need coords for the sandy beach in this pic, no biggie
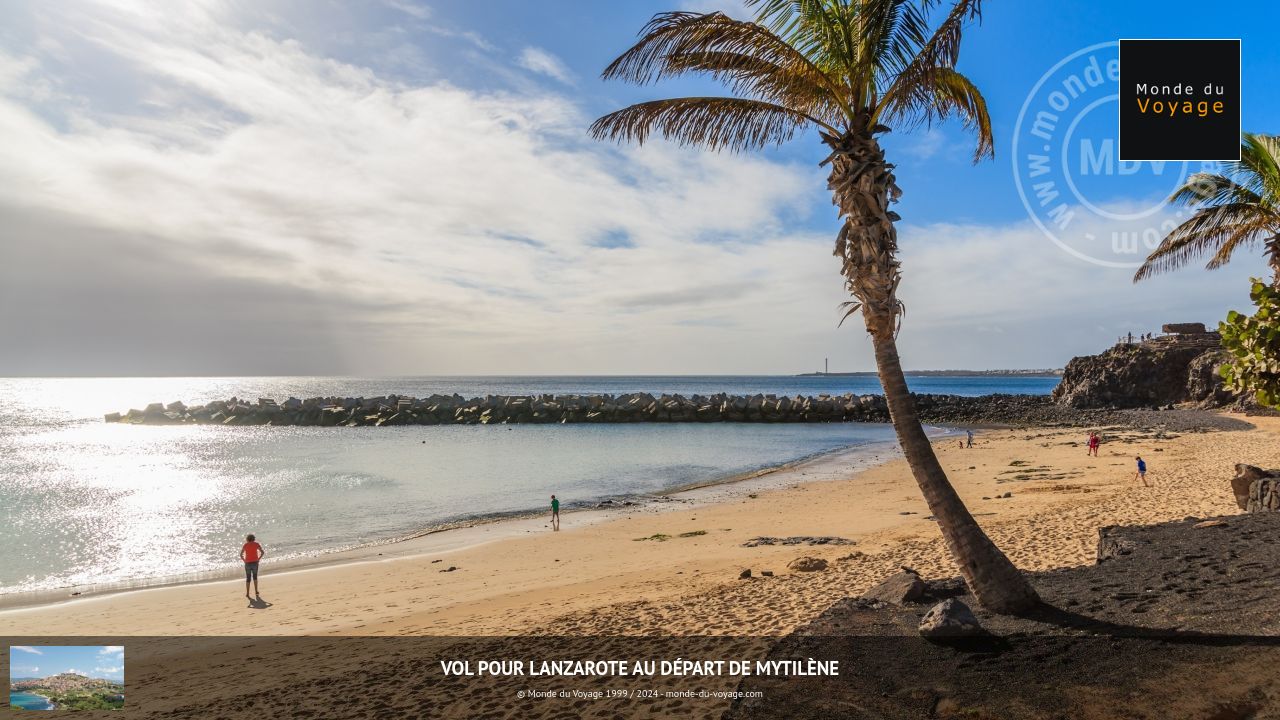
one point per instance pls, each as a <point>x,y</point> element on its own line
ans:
<point>673,568</point>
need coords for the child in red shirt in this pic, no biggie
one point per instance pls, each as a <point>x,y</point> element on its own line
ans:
<point>251,552</point>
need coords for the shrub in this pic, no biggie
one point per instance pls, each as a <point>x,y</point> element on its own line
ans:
<point>1253,341</point>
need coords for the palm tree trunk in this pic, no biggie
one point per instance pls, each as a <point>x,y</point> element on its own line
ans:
<point>997,584</point>
<point>1273,259</point>
<point>863,186</point>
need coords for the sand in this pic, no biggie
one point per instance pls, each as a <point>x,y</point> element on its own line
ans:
<point>596,576</point>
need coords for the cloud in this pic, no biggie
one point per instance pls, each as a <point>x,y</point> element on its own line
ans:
<point>187,193</point>
<point>544,63</point>
<point>111,651</point>
<point>420,12</point>
<point>26,649</point>
<point>28,669</point>
<point>110,670</point>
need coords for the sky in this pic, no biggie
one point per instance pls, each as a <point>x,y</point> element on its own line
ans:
<point>403,187</point>
<point>41,661</point>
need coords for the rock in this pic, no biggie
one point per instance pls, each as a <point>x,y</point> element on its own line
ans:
<point>798,540</point>
<point>899,589</point>
<point>1205,386</point>
<point>1256,490</point>
<point>1112,545</point>
<point>766,573</point>
<point>1135,375</point>
<point>112,417</point>
<point>451,568</point>
<point>745,574</point>
<point>950,619</point>
<point>1210,523</point>
<point>807,564</point>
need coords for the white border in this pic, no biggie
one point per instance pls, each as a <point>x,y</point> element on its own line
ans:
<point>1239,108</point>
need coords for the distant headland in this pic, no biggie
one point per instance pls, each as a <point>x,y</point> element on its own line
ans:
<point>946,373</point>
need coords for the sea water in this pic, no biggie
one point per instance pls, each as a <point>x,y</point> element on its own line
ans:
<point>85,502</point>
<point>27,701</point>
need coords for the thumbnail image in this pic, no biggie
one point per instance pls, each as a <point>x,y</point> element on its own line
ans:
<point>66,677</point>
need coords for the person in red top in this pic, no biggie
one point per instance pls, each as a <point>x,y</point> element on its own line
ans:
<point>251,552</point>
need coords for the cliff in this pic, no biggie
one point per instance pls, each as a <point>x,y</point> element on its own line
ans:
<point>1168,370</point>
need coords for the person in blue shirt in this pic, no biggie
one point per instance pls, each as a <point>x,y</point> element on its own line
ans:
<point>1142,471</point>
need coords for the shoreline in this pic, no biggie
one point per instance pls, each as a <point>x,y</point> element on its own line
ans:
<point>469,533</point>
<point>676,568</point>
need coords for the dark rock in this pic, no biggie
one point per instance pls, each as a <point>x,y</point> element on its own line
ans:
<point>899,589</point>
<point>798,540</point>
<point>1128,376</point>
<point>1245,476</point>
<point>744,574</point>
<point>766,573</point>
<point>950,618</point>
<point>1260,488</point>
<point>1113,544</point>
<point>1205,386</point>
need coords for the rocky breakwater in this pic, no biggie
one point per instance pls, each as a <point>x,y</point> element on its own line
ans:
<point>392,410</point>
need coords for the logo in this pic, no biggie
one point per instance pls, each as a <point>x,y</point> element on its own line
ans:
<point>1068,169</point>
<point>1180,99</point>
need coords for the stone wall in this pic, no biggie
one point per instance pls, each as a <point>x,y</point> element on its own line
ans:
<point>627,408</point>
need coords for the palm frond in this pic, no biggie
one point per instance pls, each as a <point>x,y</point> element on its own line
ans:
<point>1243,236</point>
<point>823,30</point>
<point>760,79</point>
<point>1207,231</point>
<point>733,124</point>
<point>746,55</point>
<point>941,50</point>
<point>1212,189</point>
<point>1259,165</point>
<point>939,93</point>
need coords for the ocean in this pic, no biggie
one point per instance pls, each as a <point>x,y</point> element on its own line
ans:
<point>83,502</point>
<point>27,701</point>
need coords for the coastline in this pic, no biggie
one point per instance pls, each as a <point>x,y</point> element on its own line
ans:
<point>675,570</point>
<point>472,532</point>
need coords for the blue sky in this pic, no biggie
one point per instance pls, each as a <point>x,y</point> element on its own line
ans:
<point>406,187</point>
<point>39,661</point>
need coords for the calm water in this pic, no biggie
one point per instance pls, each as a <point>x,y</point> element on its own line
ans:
<point>27,701</point>
<point>82,501</point>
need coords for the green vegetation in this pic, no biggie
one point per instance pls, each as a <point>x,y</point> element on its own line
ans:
<point>1253,341</point>
<point>105,699</point>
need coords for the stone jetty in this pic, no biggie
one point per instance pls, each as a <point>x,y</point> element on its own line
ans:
<point>394,410</point>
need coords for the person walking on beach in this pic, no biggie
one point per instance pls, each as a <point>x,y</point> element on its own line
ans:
<point>555,513</point>
<point>1094,442</point>
<point>251,553</point>
<point>969,433</point>
<point>1142,471</point>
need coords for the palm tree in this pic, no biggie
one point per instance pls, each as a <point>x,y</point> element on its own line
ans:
<point>849,69</point>
<point>1239,207</point>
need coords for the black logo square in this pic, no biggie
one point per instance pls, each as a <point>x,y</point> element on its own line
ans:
<point>1179,99</point>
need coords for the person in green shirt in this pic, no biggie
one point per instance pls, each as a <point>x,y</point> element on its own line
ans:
<point>555,513</point>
